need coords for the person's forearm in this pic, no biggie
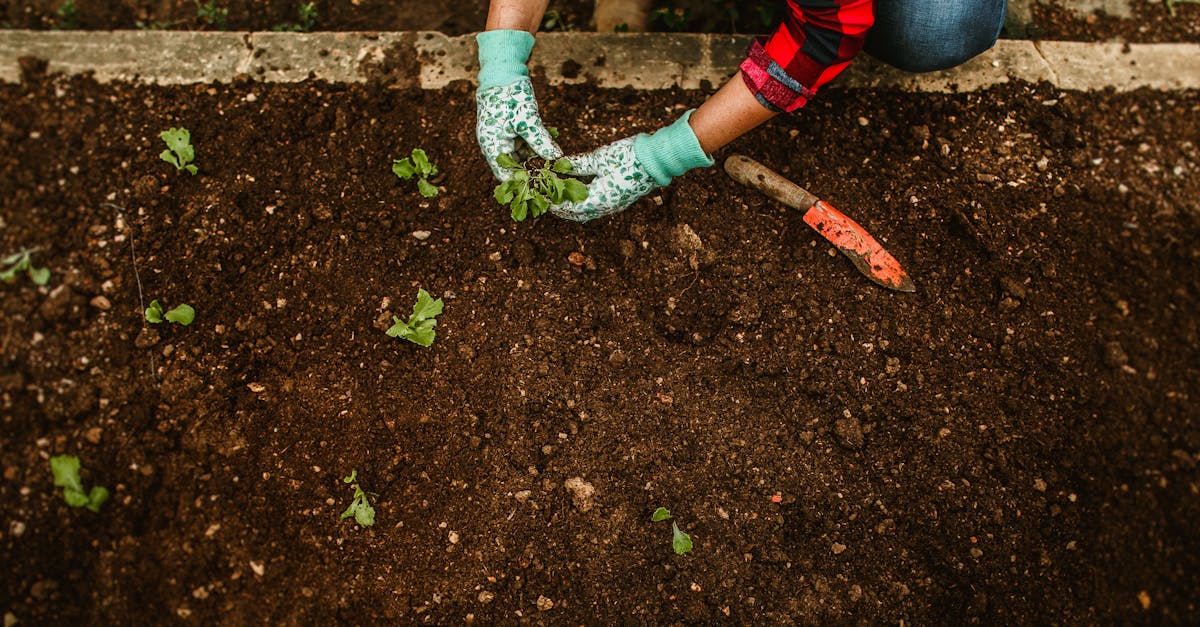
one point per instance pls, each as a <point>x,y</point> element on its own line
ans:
<point>728,114</point>
<point>523,15</point>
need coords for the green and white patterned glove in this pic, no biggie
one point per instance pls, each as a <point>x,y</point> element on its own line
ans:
<point>630,168</point>
<point>505,106</point>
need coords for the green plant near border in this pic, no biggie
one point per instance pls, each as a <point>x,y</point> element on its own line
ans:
<point>213,15</point>
<point>533,187</point>
<point>179,152</point>
<point>680,541</point>
<point>1171,4</point>
<point>418,329</point>
<point>360,508</point>
<point>674,19</point>
<point>19,262</point>
<point>65,469</point>
<point>68,15</point>
<point>307,14</point>
<point>419,166</point>
<point>180,314</point>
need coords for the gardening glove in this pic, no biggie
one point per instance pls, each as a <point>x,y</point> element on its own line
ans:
<point>632,167</point>
<point>505,106</point>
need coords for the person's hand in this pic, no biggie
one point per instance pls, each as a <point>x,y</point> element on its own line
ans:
<point>505,105</point>
<point>630,168</point>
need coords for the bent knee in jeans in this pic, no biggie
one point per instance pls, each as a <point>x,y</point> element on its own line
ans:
<point>929,35</point>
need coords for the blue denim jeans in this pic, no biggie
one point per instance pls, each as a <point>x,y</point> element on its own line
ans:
<point>928,35</point>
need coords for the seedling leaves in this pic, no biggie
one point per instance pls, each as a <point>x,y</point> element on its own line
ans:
<point>418,329</point>
<point>22,262</point>
<point>154,313</point>
<point>65,469</point>
<point>179,152</point>
<point>681,542</point>
<point>417,165</point>
<point>360,508</point>
<point>182,314</point>
<point>532,189</point>
<point>660,514</point>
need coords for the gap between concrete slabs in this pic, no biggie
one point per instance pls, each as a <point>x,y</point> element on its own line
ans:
<point>641,61</point>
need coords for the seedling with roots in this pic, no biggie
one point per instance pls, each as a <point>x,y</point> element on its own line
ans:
<point>19,262</point>
<point>536,184</point>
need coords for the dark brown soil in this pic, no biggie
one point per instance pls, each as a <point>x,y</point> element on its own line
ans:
<point>1016,442</point>
<point>1151,21</point>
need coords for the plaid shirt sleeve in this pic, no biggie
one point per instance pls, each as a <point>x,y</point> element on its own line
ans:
<point>815,42</point>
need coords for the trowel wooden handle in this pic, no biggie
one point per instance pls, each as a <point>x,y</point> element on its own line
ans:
<point>755,175</point>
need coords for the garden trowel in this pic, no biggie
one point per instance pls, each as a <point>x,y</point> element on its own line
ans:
<point>854,241</point>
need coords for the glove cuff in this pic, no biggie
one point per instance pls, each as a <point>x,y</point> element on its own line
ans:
<point>671,151</point>
<point>502,56</point>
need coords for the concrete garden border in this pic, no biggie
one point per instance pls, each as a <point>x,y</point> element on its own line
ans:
<point>641,61</point>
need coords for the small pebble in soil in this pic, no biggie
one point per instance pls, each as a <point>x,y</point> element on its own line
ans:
<point>93,435</point>
<point>101,302</point>
<point>16,528</point>
<point>838,547</point>
<point>486,596</point>
<point>146,338</point>
<point>544,603</point>
<point>421,235</point>
<point>453,537</point>
<point>581,493</point>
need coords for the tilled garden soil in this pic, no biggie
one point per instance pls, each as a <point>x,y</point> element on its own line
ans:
<point>1016,442</point>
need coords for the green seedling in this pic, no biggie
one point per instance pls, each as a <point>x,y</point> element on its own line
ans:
<point>418,166</point>
<point>419,327</point>
<point>680,541</point>
<point>68,15</point>
<point>674,19</point>
<point>180,314</point>
<point>308,18</point>
<point>17,263</point>
<point>65,469</point>
<point>179,152</point>
<point>360,508</point>
<point>212,14</point>
<point>1172,3</point>
<point>535,185</point>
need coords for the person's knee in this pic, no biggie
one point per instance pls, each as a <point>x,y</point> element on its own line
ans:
<point>931,35</point>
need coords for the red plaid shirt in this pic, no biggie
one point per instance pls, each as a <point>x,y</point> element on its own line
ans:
<point>815,42</point>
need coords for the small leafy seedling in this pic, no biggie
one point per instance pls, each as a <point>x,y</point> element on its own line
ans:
<point>65,469</point>
<point>535,186</point>
<point>68,15</point>
<point>308,18</point>
<point>418,166</point>
<point>419,327</point>
<point>179,152</point>
<point>180,314</point>
<point>17,263</point>
<point>360,508</point>
<point>212,14</point>
<point>680,541</point>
